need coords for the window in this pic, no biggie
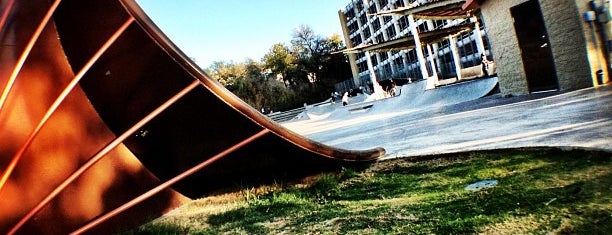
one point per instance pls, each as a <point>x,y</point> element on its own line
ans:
<point>359,6</point>
<point>384,56</point>
<point>380,38</point>
<point>374,60</point>
<point>398,3</point>
<point>447,66</point>
<point>349,13</point>
<point>387,69</point>
<point>376,24</point>
<point>391,32</point>
<point>366,32</point>
<point>353,27</point>
<point>383,3</point>
<point>439,24</point>
<point>362,67</point>
<point>403,22</point>
<point>412,56</point>
<point>356,40</point>
<point>444,44</point>
<point>399,63</point>
<point>387,19</point>
<point>360,55</point>
<point>372,9</point>
<point>363,19</point>
<point>467,51</point>
<point>422,27</point>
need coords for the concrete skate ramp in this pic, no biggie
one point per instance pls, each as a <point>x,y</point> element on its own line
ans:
<point>415,96</point>
<point>141,70</point>
<point>412,96</point>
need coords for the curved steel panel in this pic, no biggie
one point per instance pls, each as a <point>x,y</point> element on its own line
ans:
<point>143,68</point>
<point>138,72</point>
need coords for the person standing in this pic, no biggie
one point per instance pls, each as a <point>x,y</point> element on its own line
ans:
<point>345,99</point>
<point>485,65</point>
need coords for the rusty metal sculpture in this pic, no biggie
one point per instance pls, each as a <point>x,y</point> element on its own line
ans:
<point>105,124</point>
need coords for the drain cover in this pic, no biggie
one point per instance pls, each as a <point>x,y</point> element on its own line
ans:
<point>481,185</point>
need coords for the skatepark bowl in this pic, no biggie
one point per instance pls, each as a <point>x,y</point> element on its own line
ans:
<point>103,124</point>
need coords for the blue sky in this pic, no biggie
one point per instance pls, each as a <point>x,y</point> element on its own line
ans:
<point>233,30</point>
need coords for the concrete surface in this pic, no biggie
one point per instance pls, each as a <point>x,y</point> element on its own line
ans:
<point>581,118</point>
<point>411,96</point>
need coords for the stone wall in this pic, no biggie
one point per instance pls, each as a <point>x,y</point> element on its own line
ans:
<point>567,35</point>
<point>506,52</point>
<point>563,22</point>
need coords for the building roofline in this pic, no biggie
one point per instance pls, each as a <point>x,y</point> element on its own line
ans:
<point>442,9</point>
<point>407,42</point>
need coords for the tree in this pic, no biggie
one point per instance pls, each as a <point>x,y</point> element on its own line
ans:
<point>308,50</point>
<point>315,55</point>
<point>226,72</point>
<point>279,61</point>
<point>246,80</point>
<point>309,70</point>
<point>335,67</point>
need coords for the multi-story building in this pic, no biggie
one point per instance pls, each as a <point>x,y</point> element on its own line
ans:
<point>370,24</point>
<point>540,45</point>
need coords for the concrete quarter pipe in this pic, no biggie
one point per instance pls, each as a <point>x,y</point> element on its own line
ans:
<point>140,114</point>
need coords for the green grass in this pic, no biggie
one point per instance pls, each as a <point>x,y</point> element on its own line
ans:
<point>540,191</point>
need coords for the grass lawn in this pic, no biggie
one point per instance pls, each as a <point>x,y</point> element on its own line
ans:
<point>539,191</point>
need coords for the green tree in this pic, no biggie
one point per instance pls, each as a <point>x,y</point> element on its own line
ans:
<point>227,73</point>
<point>335,66</point>
<point>318,57</point>
<point>287,77</point>
<point>247,81</point>
<point>279,61</point>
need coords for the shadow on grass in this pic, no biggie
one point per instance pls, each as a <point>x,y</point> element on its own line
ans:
<point>248,219</point>
<point>548,186</point>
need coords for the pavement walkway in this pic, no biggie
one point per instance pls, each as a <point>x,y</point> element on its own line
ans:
<point>581,118</point>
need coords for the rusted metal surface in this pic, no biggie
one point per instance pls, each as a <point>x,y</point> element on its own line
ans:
<point>118,93</point>
<point>7,7</point>
<point>99,155</point>
<point>24,55</point>
<point>73,134</point>
<point>168,183</point>
<point>57,103</point>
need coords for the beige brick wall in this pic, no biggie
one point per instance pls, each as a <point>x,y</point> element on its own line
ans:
<point>563,22</point>
<point>506,53</point>
<point>566,30</point>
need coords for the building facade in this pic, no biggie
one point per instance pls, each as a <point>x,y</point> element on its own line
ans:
<point>537,45</point>
<point>573,38</point>
<point>364,23</point>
